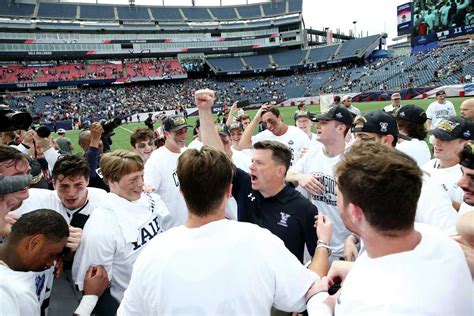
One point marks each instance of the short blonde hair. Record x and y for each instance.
(114, 165)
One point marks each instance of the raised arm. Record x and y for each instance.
(204, 100)
(246, 140)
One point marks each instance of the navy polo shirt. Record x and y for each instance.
(288, 214)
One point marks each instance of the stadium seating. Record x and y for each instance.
(274, 8)
(224, 13)
(289, 58)
(166, 14)
(196, 14)
(258, 62)
(53, 10)
(16, 9)
(225, 64)
(250, 12)
(97, 12)
(323, 53)
(133, 13)
(354, 47)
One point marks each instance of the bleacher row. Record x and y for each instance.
(355, 48)
(73, 11)
(80, 71)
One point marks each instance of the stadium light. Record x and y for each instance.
(355, 32)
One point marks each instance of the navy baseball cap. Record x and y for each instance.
(336, 113)
(174, 123)
(412, 113)
(378, 122)
(10, 184)
(452, 128)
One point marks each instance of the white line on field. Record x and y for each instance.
(131, 132)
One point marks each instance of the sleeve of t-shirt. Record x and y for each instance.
(97, 246)
(292, 279)
(257, 138)
(311, 238)
(452, 110)
(240, 183)
(151, 174)
(429, 112)
(92, 155)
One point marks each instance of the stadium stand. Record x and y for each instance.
(258, 62)
(289, 58)
(250, 12)
(53, 10)
(196, 14)
(97, 12)
(9, 9)
(224, 13)
(133, 13)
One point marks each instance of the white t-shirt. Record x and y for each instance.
(436, 112)
(42, 198)
(447, 178)
(417, 149)
(222, 268)
(195, 144)
(432, 279)
(241, 160)
(317, 163)
(115, 235)
(465, 208)
(294, 138)
(435, 207)
(354, 110)
(160, 173)
(18, 292)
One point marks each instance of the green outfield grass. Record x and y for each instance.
(121, 139)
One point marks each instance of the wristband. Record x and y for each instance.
(323, 244)
(87, 305)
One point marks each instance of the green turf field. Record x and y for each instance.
(121, 139)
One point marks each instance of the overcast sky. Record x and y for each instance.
(372, 16)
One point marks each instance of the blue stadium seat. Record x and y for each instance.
(296, 5)
(250, 11)
(226, 64)
(224, 13)
(53, 10)
(97, 12)
(354, 47)
(278, 8)
(289, 58)
(196, 14)
(166, 14)
(18, 9)
(258, 62)
(323, 53)
(133, 13)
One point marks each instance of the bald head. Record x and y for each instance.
(467, 109)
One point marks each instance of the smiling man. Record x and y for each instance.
(291, 136)
(450, 136)
(116, 233)
(142, 142)
(160, 168)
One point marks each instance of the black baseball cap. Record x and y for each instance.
(10, 184)
(412, 113)
(440, 92)
(223, 129)
(336, 113)
(174, 123)
(452, 128)
(378, 122)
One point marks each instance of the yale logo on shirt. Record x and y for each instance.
(284, 219)
(147, 233)
(39, 283)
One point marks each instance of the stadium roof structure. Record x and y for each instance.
(42, 10)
